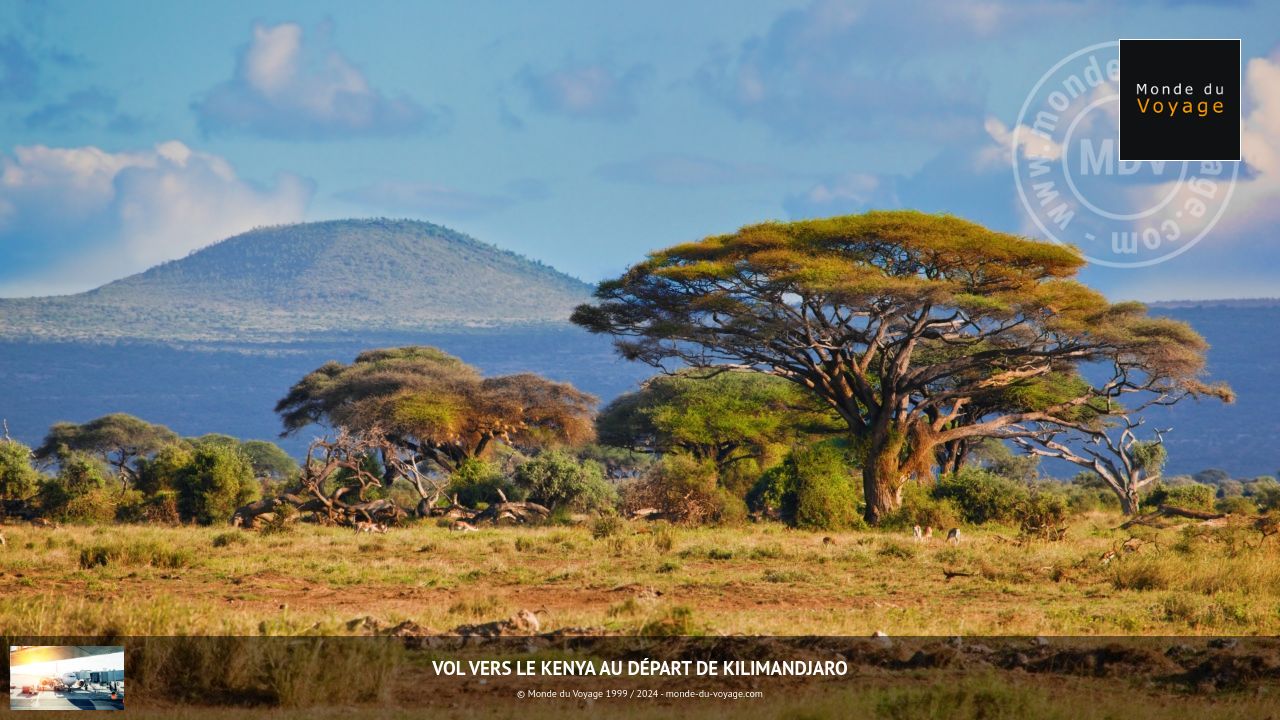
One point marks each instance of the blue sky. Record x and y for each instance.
(580, 133)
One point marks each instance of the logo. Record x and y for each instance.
(1180, 100)
(1077, 189)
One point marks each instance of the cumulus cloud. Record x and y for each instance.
(841, 68)
(74, 218)
(843, 194)
(287, 86)
(592, 91)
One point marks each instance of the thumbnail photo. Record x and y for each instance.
(66, 677)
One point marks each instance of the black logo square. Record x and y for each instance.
(1179, 99)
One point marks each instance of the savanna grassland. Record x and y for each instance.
(632, 578)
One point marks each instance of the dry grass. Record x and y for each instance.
(758, 579)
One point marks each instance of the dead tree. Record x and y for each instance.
(348, 454)
(409, 464)
(1126, 464)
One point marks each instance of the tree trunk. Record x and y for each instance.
(882, 476)
(1129, 501)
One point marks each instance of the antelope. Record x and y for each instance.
(928, 532)
(368, 527)
(461, 526)
(917, 534)
(953, 536)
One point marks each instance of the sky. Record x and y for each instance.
(583, 134)
(57, 668)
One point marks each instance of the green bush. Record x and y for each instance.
(476, 481)
(679, 487)
(557, 479)
(1082, 499)
(131, 506)
(135, 552)
(18, 480)
(79, 492)
(1236, 505)
(1042, 514)
(1192, 496)
(1266, 495)
(729, 508)
(920, 507)
(162, 508)
(814, 488)
(160, 473)
(93, 507)
(607, 526)
(981, 496)
(218, 480)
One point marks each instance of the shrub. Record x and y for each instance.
(18, 480)
(557, 479)
(218, 480)
(136, 552)
(729, 508)
(78, 493)
(1266, 495)
(813, 488)
(1042, 514)
(162, 508)
(920, 507)
(476, 481)
(91, 507)
(1085, 499)
(1192, 496)
(607, 526)
(227, 539)
(680, 488)
(1236, 505)
(160, 473)
(981, 496)
(130, 506)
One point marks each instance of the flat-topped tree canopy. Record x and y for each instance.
(435, 405)
(118, 438)
(919, 330)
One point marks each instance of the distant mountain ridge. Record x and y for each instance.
(1218, 303)
(293, 280)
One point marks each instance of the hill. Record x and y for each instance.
(291, 281)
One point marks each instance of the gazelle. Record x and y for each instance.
(368, 527)
(953, 536)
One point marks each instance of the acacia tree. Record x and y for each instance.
(434, 410)
(724, 418)
(902, 322)
(119, 439)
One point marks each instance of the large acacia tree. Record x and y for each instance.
(434, 410)
(920, 331)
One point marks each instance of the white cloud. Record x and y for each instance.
(842, 68)
(852, 192)
(586, 90)
(74, 218)
(288, 88)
